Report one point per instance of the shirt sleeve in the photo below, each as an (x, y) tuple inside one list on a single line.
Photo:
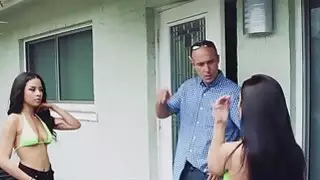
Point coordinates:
[(234, 110), (174, 102)]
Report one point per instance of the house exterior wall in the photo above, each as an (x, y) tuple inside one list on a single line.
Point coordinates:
[(278, 55), (122, 144)]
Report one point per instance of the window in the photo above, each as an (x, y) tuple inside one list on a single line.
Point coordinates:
[(65, 62)]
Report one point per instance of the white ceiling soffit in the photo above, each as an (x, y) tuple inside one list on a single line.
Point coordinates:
[(4, 4)]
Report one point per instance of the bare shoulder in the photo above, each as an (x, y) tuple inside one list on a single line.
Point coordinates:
[(14, 118), (12, 121), (233, 151), (232, 147)]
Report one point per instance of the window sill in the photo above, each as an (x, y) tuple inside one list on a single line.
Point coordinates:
[(82, 112)]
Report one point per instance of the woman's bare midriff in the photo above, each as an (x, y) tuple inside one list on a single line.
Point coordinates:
[(35, 157)]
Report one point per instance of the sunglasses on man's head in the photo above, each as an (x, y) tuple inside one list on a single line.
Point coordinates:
[(202, 44)]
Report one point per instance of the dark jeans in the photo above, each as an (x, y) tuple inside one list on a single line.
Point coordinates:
[(5, 176), (191, 173), (38, 175)]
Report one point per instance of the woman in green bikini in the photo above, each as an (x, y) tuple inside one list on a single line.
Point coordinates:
[(267, 149), (29, 129)]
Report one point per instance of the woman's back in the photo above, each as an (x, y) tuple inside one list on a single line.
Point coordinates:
[(238, 169), (268, 150)]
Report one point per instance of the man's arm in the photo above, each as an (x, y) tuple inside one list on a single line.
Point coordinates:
[(162, 110), (166, 105)]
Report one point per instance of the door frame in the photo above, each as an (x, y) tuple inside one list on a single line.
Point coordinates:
[(305, 142), (169, 15), (306, 36)]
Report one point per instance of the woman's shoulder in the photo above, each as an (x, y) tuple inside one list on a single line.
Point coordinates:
[(231, 147), (233, 154), (13, 121), (14, 117)]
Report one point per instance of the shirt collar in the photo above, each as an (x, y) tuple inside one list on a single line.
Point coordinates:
[(216, 81)]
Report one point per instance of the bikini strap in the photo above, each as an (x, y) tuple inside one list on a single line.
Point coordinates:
[(234, 150), (24, 119)]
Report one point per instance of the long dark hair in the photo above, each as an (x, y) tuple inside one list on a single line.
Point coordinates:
[(17, 98), (270, 149)]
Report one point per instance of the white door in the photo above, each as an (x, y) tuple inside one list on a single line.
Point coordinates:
[(179, 27)]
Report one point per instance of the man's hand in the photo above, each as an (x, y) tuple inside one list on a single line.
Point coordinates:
[(163, 96)]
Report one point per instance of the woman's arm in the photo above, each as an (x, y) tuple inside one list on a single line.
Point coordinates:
[(218, 150), (218, 153), (8, 136), (66, 122)]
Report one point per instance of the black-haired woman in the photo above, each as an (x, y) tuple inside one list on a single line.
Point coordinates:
[(30, 128), (267, 149)]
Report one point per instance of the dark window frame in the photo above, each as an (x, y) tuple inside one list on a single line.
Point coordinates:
[(56, 37)]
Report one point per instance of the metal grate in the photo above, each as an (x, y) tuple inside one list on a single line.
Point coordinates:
[(182, 37)]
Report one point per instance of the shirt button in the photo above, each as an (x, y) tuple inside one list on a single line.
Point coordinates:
[(201, 108), (198, 122), (204, 94), (190, 150), (194, 137)]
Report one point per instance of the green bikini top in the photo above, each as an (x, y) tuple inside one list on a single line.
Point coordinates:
[(226, 176), (29, 138)]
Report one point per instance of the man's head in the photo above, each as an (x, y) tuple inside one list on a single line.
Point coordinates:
[(205, 59)]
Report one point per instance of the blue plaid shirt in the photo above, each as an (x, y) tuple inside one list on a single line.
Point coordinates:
[(192, 102)]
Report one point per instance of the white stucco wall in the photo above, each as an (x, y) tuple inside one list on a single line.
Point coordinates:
[(269, 55), (278, 55), (122, 145)]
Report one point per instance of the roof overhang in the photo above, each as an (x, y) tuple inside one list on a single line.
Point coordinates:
[(159, 3), (6, 4)]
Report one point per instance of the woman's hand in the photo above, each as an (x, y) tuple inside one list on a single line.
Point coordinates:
[(65, 122), (212, 177), (220, 109), (45, 106)]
